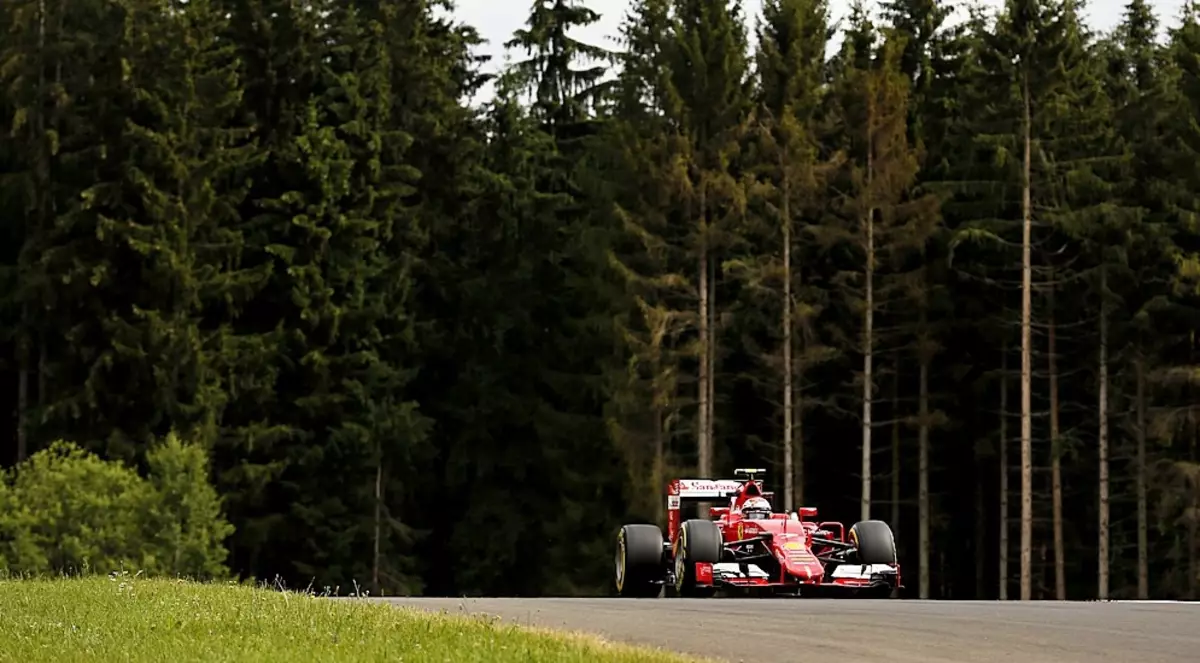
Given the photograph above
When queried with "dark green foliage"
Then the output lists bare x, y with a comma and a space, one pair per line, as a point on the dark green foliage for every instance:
436, 347
561, 92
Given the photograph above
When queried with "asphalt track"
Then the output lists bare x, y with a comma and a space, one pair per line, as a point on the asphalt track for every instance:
866, 631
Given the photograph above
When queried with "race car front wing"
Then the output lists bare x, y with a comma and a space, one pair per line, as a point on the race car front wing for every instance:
839, 580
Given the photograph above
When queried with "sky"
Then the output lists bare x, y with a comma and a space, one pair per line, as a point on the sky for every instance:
497, 19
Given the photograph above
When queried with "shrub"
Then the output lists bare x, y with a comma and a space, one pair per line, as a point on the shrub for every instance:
65, 510
186, 528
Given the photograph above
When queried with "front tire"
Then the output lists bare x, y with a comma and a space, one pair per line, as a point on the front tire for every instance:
699, 541
874, 542
638, 561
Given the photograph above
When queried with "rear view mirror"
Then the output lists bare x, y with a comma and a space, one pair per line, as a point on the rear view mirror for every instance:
717, 511
807, 512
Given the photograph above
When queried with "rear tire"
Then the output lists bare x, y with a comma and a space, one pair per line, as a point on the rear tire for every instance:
699, 541
638, 561
874, 542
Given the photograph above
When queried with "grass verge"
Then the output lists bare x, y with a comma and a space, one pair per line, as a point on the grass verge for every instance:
118, 618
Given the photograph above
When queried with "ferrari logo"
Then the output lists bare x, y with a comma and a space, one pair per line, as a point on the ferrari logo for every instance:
741, 531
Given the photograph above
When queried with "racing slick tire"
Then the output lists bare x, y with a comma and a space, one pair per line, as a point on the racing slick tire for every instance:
699, 541
874, 541
639, 561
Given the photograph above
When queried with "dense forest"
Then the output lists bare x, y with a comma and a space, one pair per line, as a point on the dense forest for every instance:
937, 272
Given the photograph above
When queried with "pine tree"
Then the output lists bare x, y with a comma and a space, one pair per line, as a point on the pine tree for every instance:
126, 226
1140, 86
541, 239
31, 51
324, 340
708, 101
639, 147
877, 215
932, 61
561, 92
1083, 203
1176, 382
1020, 56
790, 61
922, 23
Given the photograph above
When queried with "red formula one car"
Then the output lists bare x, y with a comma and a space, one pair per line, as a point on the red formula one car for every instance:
747, 547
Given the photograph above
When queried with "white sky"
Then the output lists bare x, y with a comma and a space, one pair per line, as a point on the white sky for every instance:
497, 19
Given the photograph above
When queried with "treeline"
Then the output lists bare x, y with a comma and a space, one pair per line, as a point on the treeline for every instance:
944, 276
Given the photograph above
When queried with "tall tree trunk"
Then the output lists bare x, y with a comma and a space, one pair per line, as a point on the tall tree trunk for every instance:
378, 525
1026, 356
923, 511
868, 329
798, 423
1143, 527
1193, 456
659, 467
895, 521
709, 420
923, 514
925, 356
703, 449
1102, 592
1193, 528
789, 471
1004, 473
1060, 580
43, 363
980, 533
37, 130
868, 332
22, 395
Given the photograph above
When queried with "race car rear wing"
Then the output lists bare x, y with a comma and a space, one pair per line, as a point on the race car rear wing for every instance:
696, 490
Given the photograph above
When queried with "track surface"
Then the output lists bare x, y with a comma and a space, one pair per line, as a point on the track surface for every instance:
866, 631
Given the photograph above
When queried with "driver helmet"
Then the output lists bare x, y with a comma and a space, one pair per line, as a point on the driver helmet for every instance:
756, 508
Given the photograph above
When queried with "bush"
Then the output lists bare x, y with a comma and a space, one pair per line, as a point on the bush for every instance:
186, 528
65, 510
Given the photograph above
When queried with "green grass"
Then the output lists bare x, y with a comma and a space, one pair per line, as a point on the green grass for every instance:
119, 618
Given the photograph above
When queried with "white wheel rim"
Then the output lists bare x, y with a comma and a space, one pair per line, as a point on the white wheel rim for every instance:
620, 562
680, 565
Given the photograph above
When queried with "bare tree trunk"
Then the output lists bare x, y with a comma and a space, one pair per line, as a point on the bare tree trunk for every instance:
789, 473
711, 419
378, 525
702, 444
980, 533
42, 363
868, 332
1143, 528
1102, 592
1060, 581
923, 475
946, 586
1026, 358
895, 522
37, 130
798, 422
22, 397
868, 328
659, 468
1004, 473
1193, 530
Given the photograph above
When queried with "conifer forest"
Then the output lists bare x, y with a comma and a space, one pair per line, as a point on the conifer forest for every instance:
930, 264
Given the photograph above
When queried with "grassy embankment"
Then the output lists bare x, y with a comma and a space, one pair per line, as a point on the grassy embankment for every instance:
120, 618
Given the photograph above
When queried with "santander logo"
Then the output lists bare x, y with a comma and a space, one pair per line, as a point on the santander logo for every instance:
707, 485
